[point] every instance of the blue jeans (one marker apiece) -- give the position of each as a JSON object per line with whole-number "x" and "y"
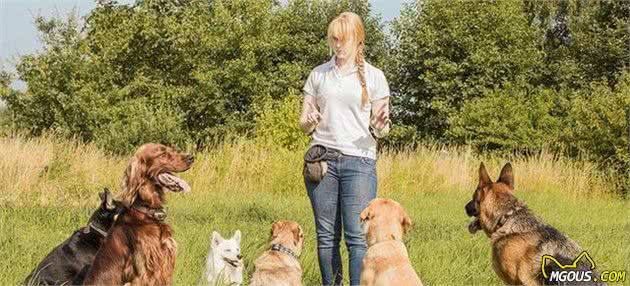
{"x": 346, "y": 189}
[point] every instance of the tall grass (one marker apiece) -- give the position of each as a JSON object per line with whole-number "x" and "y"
{"x": 50, "y": 171}
{"x": 64, "y": 171}
{"x": 50, "y": 187}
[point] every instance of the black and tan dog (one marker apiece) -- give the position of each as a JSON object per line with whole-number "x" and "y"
{"x": 68, "y": 263}
{"x": 519, "y": 239}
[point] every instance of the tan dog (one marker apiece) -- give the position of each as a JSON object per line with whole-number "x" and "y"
{"x": 279, "y": 266}
{"x": 386, "y": 261}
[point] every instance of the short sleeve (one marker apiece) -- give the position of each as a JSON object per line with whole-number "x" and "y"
{"x": 380, "y": 87}
{"x": 310, "y": 86}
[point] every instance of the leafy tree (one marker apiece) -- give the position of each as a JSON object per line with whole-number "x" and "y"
{"x": 208, "y": 64}
{"x": 138, "y": 122}
{"x": 515, "y": 117}
{"x": 601, "y": 41}
{"x": 5, "y": 92}
{"x": 584, "y": 41}
{"x": 57, "y": 96}
{"x": 450, "y": 52}
{"x": 597, "y": 125}
{"x": 500, "y": 75}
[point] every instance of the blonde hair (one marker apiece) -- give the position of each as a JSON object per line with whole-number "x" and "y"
{"x": 344, "y": 26}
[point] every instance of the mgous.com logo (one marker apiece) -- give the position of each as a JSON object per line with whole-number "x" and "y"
{"x": 573, "y": 273}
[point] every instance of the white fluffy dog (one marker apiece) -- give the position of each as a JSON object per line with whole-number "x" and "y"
{"x": 224, "y": 265}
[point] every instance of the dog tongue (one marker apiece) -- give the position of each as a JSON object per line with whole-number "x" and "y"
{"x": 173, "y": 183}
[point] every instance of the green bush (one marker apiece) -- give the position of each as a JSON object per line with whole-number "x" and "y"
{"x": 401, "y": 136}
{"x": 590, "y": 124}
{"x": 449, "y": 52}
{"x": 7, "y": 124}
{"x": 597, "y": 125}
{"x": 513, "y": 118}
{"x": 277, "y": 123}
{"x": 137, "y": 122}
{"x": 4, "y": 119}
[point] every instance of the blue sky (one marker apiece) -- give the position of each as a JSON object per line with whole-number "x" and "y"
{"x": 19, "y": 37}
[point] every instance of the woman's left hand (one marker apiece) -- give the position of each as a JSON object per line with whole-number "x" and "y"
{"x": 380, "y": 119}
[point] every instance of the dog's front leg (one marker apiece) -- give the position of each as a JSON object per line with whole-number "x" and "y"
{"x": 111, "y": 261}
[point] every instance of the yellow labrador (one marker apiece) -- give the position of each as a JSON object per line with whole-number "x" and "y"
{"x": 279, "y": 266}
{"x": 386, "y": 261}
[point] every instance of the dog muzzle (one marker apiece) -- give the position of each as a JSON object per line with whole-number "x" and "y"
{"x": 474, "y": 226}
{"x": 233, "y": 262}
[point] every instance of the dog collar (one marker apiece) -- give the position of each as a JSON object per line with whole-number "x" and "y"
{"x": 100, "y": 231}
{"x": 283, "y": 249}
{"x": 157, "y": 214}
{"x": 91, "y": 225}
{"x": 504, "y": 218}
{"x": 389, "y": 240}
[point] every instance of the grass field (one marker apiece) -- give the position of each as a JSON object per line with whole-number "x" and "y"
{"x": 49, "y": 188}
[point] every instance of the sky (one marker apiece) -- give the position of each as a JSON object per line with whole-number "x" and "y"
{"x": 18, "y": 35}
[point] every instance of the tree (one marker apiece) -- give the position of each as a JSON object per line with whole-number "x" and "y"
{"x": 450, "y": 52}
{"x": 584, "y": 41}
{"x": 597, "y": 126}
{"x": 516, "y": 117}
{"x": 196, "y": 70}
{"x": 60, "y": 95}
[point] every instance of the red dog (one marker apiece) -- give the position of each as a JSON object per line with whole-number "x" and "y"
{"x": 140, "y": 249}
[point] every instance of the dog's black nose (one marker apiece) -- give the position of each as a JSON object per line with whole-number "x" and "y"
{"x": 239, "y": 257}
{"x": 471, "y": 210}
{"x": 190, "y": 158}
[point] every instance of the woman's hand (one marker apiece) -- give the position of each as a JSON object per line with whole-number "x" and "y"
{"x": 313, "y": 116}
{"x": 310, "y": 117}
{"x": 380, "y": 121}
{"x": 381, "y": 118}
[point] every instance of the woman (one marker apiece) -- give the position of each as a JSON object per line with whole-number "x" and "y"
{"x": 346, "y": 102}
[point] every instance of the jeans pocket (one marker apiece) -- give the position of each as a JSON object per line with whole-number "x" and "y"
{"x": 368, "y": 161}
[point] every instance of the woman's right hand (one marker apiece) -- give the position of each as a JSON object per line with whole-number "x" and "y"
{"x": 310, "y": 117}
{"x": 313, "y": 116}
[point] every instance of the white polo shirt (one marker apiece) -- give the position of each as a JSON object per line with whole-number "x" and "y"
{"x": 345, "y": 123}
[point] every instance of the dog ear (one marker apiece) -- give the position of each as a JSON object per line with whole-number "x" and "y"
{"x": 103, "y": 196}
{"x": 275, "y": 227}
{"x": 237, "y": 236}
{"x": 484, "y": 178}
{"x": 367, "y": 213}
{"x": 216, "y": 239}
{"x": 506, "y": 176}
{"x": 406, "y": 222}
{"x": 298, "y": 235}
{"x": 133, "y": 179}
{"x": 107, "y": 199}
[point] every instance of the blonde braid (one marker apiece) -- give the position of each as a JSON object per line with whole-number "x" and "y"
{"x": 360, "y": 62}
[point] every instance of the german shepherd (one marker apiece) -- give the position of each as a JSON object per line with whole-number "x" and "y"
{"x": 519, "y": 239}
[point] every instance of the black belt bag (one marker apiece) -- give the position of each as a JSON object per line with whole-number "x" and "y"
{"x": 315, "y": 165}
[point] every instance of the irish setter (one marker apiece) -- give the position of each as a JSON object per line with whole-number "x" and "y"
{"x": 140, "y": 249}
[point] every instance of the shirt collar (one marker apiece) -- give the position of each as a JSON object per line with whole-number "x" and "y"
{"x": 333, "y": 66}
